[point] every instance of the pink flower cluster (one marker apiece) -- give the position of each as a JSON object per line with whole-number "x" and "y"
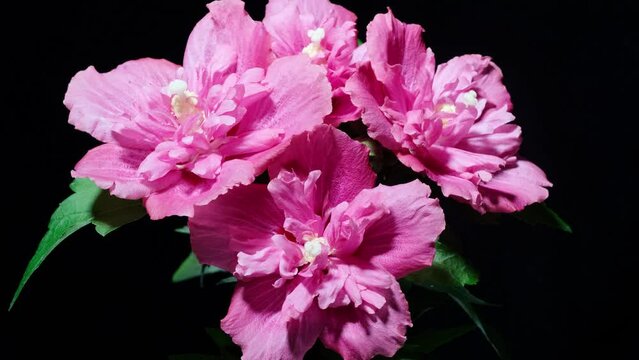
{"x": 318, "y": 250}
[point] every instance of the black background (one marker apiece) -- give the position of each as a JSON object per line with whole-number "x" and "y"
{"x": 570, "y": 69}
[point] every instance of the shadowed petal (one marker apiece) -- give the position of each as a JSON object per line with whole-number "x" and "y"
{"x": 191, "y": 190}
{"x": 394, "y": 44}
{"x": 356, "y": 334}
{"x": 343, "y": 163}
{"x": 244, "y": 220}
{"x": 402, "y": 240}
{"x": 256, "y": 323}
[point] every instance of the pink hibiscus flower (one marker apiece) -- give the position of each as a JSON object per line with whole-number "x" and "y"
{"x": 453, "y": 124}
{"x": 181, "y": 136}
{"x": 326, "y": 33}
{"x": 317, "y": 252}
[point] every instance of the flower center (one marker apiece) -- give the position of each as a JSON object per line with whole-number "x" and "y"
{"x": 469, "y": 98}
{"x": 447, "y": 108}
{"x": 313, "y": 247}
{"x": 314, "y": 48}
{"x": 183, "y": 101}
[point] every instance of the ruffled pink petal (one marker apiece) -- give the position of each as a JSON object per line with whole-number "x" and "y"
{"x": 207, "y": 166}
{"x": 156, "y": 164}
{"x": 296, "y": 197}
{"x": 300, "y": 297}
{"x": 225, "y": 40}
{"x": 100, "y": 103}
{"x": 192, "y": 190}
{"x": 114, "y": 168}
{"x": 493, "y": 135}
{"x": 252, "y": 142}
{"x": 281, "y": 256}
{"x": 263, "y": 262}
{"x": 458, "y": 188}
{"x": 343, "y": 163}
{"x": 244, "y": 220}
{"x": 343, "y": 109}
{"x": 350, "y": 221}
{"x": 368, "y": 94}
{"x": 332, "y": 286}
{"x": 514, "y": 188}
{"x": 299, "y": 100}
{"x": 355, "y": 334}
{"x": 287, "y": 32}
{"x": 256, "y": 323}
{"x": 360, "y": 55}
{"x": 403, "y": 240}
{"x": 412, "y": 162}
{"x": 474, "y": 72}
{"x": 393, "y": 44}
{"x": 353, "y": 283}
{"x": 454, "y": 161}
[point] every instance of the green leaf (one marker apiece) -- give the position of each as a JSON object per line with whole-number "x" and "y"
{"x": 491, "y": 336}
{"x": 439, "y": 279}
{"x": 448, "y": 274}
{"x": 220, "y": 338}
{"x": 359, "y": 42}
{"x": 191, "y": 268}
{"x": 429, "y": 340}
{"x": 228, "y": 350}
{"x": 110, "y": 212}
{"x": 88, "y": 205}
{"x": 541, "y": 214}
{"x": 183, "y": 230}
{"x": 456, "y": 266}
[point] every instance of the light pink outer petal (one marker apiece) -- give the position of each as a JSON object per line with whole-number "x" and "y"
{"x": 256, "y": 323}
{"x": 394, "y": 44}
{"x": 480, "y": 71}
{"x": 300, "y": 98}
{"x": 514, "y": 188}
{"x": 342, "y": 161}
{"x": 244, "y": 220}
{"x": 283, "y": 24}
{"x": 403, "y": 240}
{"x": 356, "y": 335}
{"x": 114, "y": 168}
{"x": 190, "y": 190}
{"x": 98, "y": 103}
{"x": 226, "y": 36}
{"x": 320, "y": 9}
{"x": 368, "y": 94}
{"x": 283, "y": 21}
